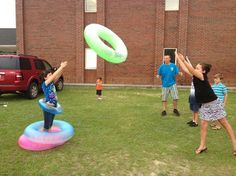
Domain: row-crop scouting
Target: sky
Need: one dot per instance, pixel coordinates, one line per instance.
(7, 14)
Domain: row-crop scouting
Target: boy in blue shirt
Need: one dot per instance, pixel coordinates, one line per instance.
(49, 91)
(221, 92)
(168, 72)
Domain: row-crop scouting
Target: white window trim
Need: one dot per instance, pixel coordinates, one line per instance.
(171, 5)
(88, 4)
(90, 59)
(164, 53)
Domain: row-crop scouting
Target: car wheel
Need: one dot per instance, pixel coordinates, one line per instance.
(59, 85)
(32, 91)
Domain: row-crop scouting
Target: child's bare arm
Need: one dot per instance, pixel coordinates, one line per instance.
(56, 74)
(225, 99)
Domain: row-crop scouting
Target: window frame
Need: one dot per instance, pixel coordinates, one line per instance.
(164, 49)
(87, 4)
(170, 7)
(86, 63)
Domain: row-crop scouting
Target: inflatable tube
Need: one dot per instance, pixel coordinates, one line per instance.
(52, 110)
(92, 35)
(35, 134)
(25, 143)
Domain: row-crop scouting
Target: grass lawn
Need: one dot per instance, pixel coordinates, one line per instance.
(123, 134)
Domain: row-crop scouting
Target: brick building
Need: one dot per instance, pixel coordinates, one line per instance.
(205, 30)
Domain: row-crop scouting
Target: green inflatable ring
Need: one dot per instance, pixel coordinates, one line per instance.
(93, 33)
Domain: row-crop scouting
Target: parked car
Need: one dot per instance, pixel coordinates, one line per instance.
(22, 73)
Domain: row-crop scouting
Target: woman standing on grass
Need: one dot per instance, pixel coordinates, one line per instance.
(211, 107)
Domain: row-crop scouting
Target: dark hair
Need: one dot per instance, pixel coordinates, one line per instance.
(45, 73)
(206, 67)
(168, 55)
(100, 78)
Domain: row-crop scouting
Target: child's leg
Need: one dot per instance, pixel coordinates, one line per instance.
(202, 146)
(195, 117)
(100, 94)
(48, 120)
(224, 122)
(51, 119)
(217, 124)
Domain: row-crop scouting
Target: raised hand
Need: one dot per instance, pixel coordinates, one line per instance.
(64, 64)
(181, 57)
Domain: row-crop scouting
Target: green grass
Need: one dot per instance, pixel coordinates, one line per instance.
(123, 134)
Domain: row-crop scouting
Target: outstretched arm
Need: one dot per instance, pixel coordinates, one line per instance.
(190, 68)
(56, 74)
(182, 65)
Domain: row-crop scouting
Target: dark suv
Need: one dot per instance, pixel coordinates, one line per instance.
(22, 73)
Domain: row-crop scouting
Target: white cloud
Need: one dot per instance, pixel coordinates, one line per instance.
(7, 14)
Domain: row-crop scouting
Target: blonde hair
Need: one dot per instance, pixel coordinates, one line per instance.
(219, 75)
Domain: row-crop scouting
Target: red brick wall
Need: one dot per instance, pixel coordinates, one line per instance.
(212, 36)
(171, 29)
(134, 22)
(202, 29)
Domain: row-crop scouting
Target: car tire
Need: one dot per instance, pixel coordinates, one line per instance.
(59, 85)
(33, 90)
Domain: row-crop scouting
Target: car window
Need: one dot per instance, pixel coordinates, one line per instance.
(9, 63)
(47, 65)
(39, 65)
(25, 64)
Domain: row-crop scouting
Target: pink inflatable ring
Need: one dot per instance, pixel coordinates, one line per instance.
(35, 139)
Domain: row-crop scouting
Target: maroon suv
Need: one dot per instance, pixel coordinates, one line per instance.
(22, 73)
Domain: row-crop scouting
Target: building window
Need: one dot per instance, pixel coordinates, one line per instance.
(90, 5)
(171, 52)
(90, 59)
(171, 5)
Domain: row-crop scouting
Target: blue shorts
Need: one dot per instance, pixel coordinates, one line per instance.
(193, 104)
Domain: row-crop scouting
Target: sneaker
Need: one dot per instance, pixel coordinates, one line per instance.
(163, 113)
(193, 124)
(176, 112)
(190, 122)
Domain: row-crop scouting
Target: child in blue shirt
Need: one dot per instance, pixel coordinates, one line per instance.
(194, 107)
(221, 92)
(49, 91)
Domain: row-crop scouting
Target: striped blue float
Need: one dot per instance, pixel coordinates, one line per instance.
(52, 110)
